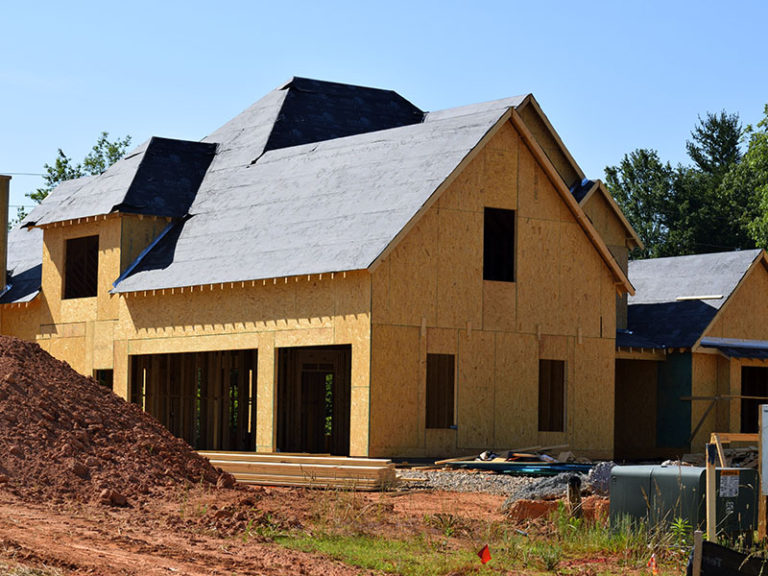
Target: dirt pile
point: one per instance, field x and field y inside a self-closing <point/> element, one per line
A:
<point x="65" y="437"/>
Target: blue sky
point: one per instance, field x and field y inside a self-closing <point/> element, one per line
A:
<point x="611" y="76"/>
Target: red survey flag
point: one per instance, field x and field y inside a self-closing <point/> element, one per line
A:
<point x="484" y="554"/>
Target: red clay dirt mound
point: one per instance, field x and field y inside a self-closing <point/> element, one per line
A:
<point x="65" y="437"/>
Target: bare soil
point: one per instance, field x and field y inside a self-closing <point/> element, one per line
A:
<point x="91" y="485"/>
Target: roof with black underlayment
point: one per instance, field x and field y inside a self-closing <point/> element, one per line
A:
<point x="315" y="177"/>
<point x="676" y="298"/>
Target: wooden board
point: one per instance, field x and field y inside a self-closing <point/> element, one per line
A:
<point x="306" y="470"/>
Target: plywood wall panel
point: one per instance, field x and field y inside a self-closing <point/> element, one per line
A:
<point x="413" y="274"/>
<point x="499" y="306"/>
<point x="460" y="271"/>
<point x="538" y="295"/>
<point x="23" y="321"/>
<point x="475" y="390"/>
<point x="442" y="341"/>
<point x="603" y="217"/>
<point x="703" y="383"/>
<point x="592" y="398"/>
<point x="745" y="315"/>
<point x="545" y="139"/>
<point x="266" y="395"/>
<point x="499" y="188"/>
<point x="395" y="383"/>
<point x="515" y="391"/>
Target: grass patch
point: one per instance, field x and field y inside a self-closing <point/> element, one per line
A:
<point x="417" y="556"/>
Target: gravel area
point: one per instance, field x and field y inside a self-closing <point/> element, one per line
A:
<point x="515" y="487"/>
<point x="462" y="481"/>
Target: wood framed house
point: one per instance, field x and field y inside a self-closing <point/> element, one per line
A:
<point x="335" y="270"/>
<point x="694" y="359"/>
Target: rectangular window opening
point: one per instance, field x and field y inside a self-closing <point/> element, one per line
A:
<point x="81" y="268"/>
<point x="441" y="384"/>
<point x="499" y="245"/>
<point x="551" y="396"/>
<point x="104" y="378"/>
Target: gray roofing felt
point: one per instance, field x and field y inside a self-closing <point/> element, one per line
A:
<point x="676" y="298"/>
<point x="321" y="207"/>
<point x="314" y="177"/>
<point x="159" y="178"/>
<point x="25" y="249"/>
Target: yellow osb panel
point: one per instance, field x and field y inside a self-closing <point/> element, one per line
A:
<point x="21" y="322"/>
<point x="266" y="393"/>
<point x="440" y="442"/>
<point x="413" y="277"/>
<point x="103" y="344"/>
<point x="500" y="306"/>
<point x="475" y="398"/>
<point x="490" y="179"/>
<point x="442" y="341"/>
<point x="593" y="377"/>
<point x="102" y="307"/>
<point x="538" y="294"/>
<point x="395" y="382"/>
<point x="724" y="387"/>
<point x="516" y="390"/>
<point x="293" y="305"/>
<point x="548" y="144"/>
<point x="460" y="271"/>
<point x="359" y="416"/>
<point x="605" y="220"/>
<point x="704" y="383"/>
<point x="553" y="347"/>
<point x="745" y="314"/>
<point x="136" y="234"/>
<point x="71" y="350"/>
<point x="538" y="197"/>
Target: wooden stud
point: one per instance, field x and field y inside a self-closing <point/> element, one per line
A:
<point x="711" y="484"/>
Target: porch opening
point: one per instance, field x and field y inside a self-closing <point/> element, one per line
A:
<point x="754" y="382"/>
<point x="206" y="398"/>
<point x="313" y="399"/>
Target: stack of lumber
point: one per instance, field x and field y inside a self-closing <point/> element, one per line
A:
<point x="279" y="469"/>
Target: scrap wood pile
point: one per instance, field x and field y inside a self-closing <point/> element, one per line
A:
<point x="63" y="436"/>
<point x="521" y="463"/>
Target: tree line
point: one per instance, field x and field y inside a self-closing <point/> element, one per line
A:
<point x="717" y="202"/>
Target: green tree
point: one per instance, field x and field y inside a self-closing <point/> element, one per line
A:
<point x="690" y="209"/>
<point x="642" y="185"/>
<point x="103" y="154"/>
<point x="714" y="144"/>
<point x="749" y="179"/>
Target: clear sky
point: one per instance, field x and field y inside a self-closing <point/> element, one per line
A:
<point x="611" y="76"/>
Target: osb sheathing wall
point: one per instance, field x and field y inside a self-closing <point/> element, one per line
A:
<point x="711" y="377"/>
<point x="744" y="316"/>
<point x="613" y="233"/>
<point x="79" y="330"/>
<point x="265" y="315"/>
<point x="429" y="297"/>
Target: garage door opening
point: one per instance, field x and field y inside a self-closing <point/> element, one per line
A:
<point x="206" y="398"/>
<point x="313" y="399"/>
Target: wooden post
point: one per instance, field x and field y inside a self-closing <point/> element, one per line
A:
<point x="697" y="545"/>
<point x="711" y="454"/>
<point x="574" y="496"/>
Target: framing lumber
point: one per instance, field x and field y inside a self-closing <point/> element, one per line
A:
<point x="312" y="471"/>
